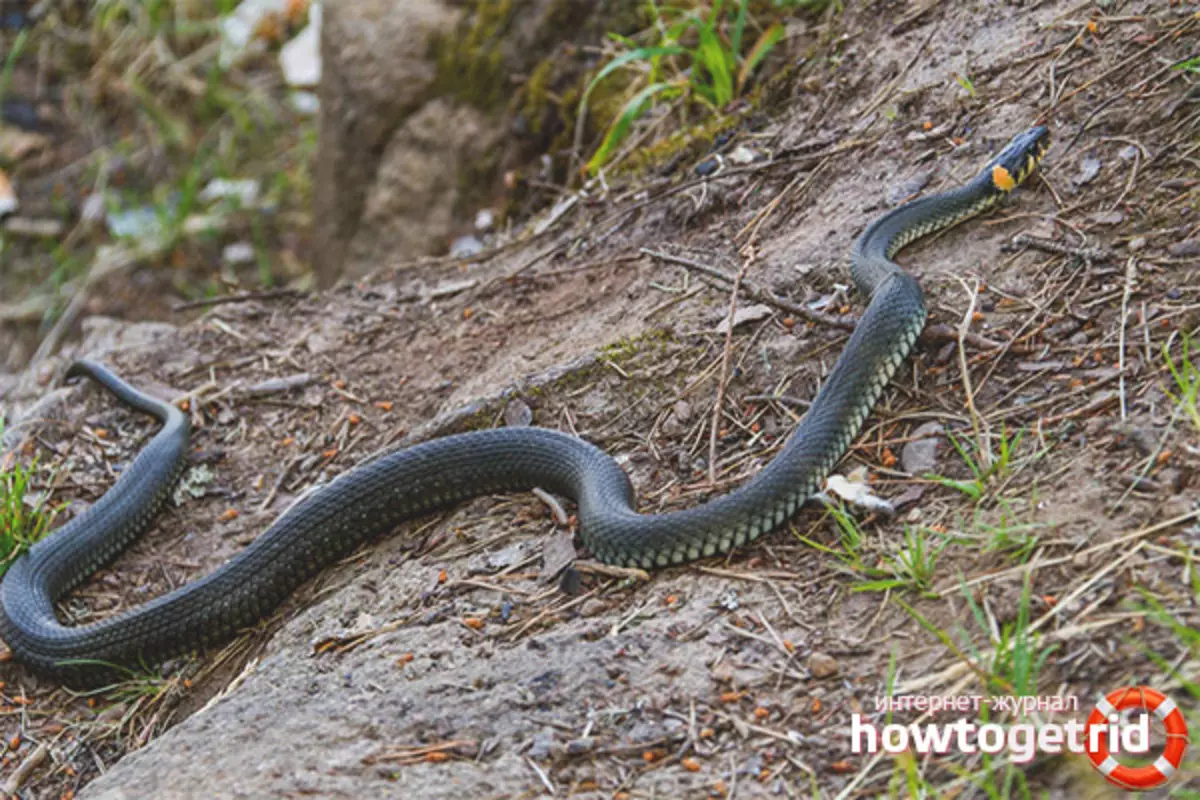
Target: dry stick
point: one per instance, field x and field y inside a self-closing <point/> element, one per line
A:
<point x="1065" y="602"/>
<point x="883" y="95"/>
<point x="1060" y="248"/>
<point x="1141" y="533"/>
<point x="966" y="372"/>
<point x="22" y="772"/>
<point x="1130" y="272"/>
<point x="241" y="297"/>
<point x="1165" y="37"/>
<point x="754" y="224"/>
<point x="937" y="334"/>
<point x="732" y="172"/>
<point x="725" y="358"/>
<point x="100" y="267"/>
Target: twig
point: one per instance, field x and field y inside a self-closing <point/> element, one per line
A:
<point x="726" y="356"/>
<point x="31" y="762"/>
<point x="966" y="370"/>
<point x="1035" y="564"/>
<point x="1089" y="254"/>
<point x="787" y="400"/>
<point x="752" y="227"/>
<point x="609" y="571"/>
<point x="933" y="334"/>
<point x="753" y="290"/>
<point x="560" y="514"/>
<point x="241" y="297"/>
<point x="1130" y="273"/>
<point x="541" y="774"/>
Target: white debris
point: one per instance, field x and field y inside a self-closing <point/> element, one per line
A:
<point x="465" y="247"/>
<point x="92" y="207"/>
<point x="855" y="491"/>
<point x="237" y="30"/>
<point x="143" y="223"/>
<point x="245" y="191"/>
<point x="484" y="220"/>
<point x="300" y="59"/>
<point x="193" y="484"/>
<point x="238" y="253"/>
<point x="306" y="103"/>
<point x="744" y="315"/>
<point x="742" y="155"/>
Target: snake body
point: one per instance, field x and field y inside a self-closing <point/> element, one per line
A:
<point x="375" y="497"/>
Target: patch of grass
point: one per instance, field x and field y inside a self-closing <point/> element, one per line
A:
<point x="983" y="467"/>
<point x="1179" y="667"/>
<point x="1017" y="539"/>
<point x="1187" y="635"/>
<point x="24" y="517"/>
<point x="1187" y="379"/>
<point x="913" y="565"/>
<point x="144" y="696"/>
<point x="1011" y="667"/>
<point x="1018" y="655"/>
<point x="10" y="62"/>
<point x="1190" y="65"/>
<point x="852" y="540"/>
<point x="698" y="57"/>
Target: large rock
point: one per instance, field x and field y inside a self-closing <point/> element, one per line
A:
<point x="425" y="104"/>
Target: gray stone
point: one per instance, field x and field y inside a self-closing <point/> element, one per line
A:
<point x="919" y="456"/>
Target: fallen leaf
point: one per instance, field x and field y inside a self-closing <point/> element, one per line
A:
<point x="743" y="315"/>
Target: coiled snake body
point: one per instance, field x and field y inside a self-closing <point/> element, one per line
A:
<point x="374" y="498"/>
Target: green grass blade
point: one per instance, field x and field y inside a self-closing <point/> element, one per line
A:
<point x="634" y="108"/>
<point x="761" y="50"/>
<point x="714" y="58"/>
<point x="739" y="27"/>
<point x="640" y="54"/>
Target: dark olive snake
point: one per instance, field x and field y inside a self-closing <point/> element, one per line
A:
<point x="375" y="497"/>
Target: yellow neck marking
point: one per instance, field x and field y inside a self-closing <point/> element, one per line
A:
<point x="1003" y="179"/>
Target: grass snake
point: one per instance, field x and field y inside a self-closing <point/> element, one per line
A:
<point x="375" y="497"/>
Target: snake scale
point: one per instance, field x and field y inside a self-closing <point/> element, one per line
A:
<point x="375" y="497"/>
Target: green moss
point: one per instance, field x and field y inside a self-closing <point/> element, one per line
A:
<point x="535" y="96"/>
<point x="690" y="143"/>
<point x="623" y="350"/>
<point x="470" y="60"/>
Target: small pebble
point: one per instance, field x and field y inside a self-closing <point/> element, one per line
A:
<point x="1188" y="247"/>
<point x="517" y="414"/>
<point x="1089" y="168"/>
<point x="823" y="665"/>
<point x="593" y="608"/>
<point x="465" y="247"/>
<point x="919" y="456"/>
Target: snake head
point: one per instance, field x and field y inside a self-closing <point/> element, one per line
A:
<point x="1019" y="158"/>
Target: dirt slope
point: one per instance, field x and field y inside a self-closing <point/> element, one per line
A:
<point x="443" y="663"/>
